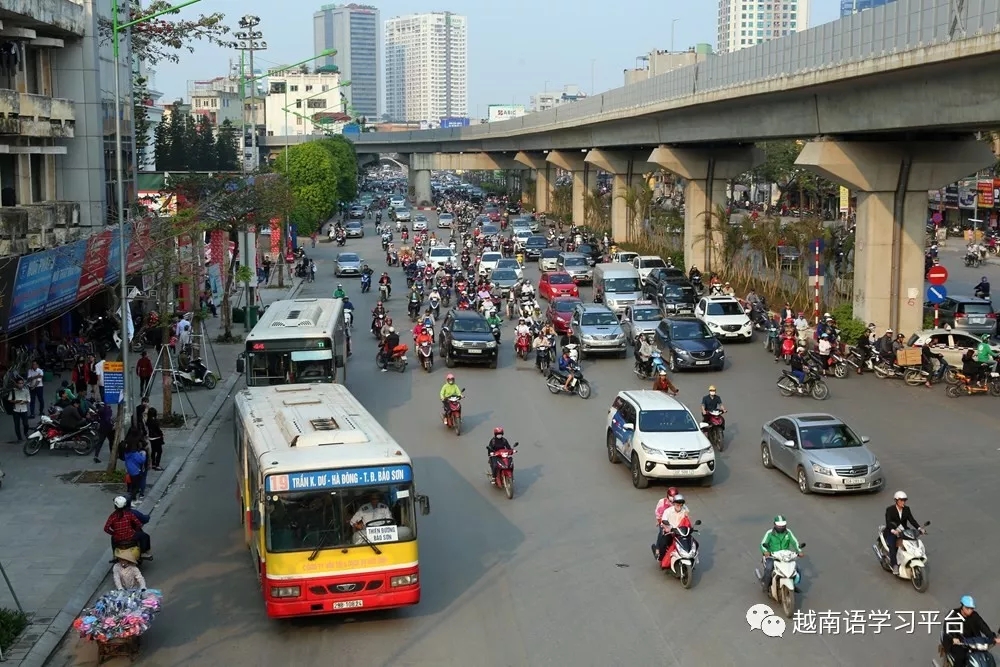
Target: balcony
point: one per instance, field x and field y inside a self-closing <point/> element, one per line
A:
<point x="28" y="115"/>
<point x="38" y="226"/>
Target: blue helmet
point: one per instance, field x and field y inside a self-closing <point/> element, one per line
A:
<point x="968" y="602"/>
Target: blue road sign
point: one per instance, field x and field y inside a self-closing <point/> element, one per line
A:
<point x="936" y="294"/>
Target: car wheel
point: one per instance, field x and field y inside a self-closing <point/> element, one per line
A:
<point x="639" y="480"/>
<point x="449" y="361"/>
<point x="493" y="364"/>
<point x="765" y="456"/>
<point x="622" y="354"/>
<point x="802" y="480"/>
<point x="612" y="448"/>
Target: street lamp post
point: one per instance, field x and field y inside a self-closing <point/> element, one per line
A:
<point x="250" y="40"/>
<point x="116" y="29"/>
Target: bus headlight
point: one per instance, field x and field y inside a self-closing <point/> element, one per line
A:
<point x="404" y="580"/>
<point x="285" y="591"/>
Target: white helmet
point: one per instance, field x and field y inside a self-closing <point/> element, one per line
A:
<point x="121" y="502"/>
<point x="899" y="495"/>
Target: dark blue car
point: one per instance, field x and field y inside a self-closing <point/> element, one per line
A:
<point x="686" y="343"/>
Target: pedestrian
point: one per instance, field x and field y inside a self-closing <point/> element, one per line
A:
<point x="155" y="437"/>
<point x="92" y="378"/>
<point x="36" y="377"/>
<point x="144" y="369"/>
<point x="99" y="372"/>
<point x="79" y="376"/>
<point x="135" y="464"/>
<point x="105" y="431"/>
<point x="20" y="398"/>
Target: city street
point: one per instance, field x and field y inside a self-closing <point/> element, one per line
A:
<point x="562" y="574"/>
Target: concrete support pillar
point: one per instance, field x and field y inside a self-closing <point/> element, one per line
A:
<point x="543" y="178"/>
<point x="573" y="163"/>
<point x="626" y="169"/>
<point x="706" y="172"/>
<point x="510" y="183"/>
<point x="891" y="180"/>
<point x="419" y="185"/>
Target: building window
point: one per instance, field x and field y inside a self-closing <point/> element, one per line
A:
<point x="316" y="103"/>
<point x="293" y="88"/>
<point x="37" y="177"/>
<point x="308" y="88"/>
<point x="8" y="180"/>
<point x="324" y="88"/>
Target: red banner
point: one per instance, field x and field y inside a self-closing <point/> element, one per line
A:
<point x="986" y="196"/>
<point x="216" y="247"/>
<point x="276" y="237"/>
<point x="94" y="265"/>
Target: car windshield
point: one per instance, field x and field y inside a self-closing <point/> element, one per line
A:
<point x="420" y="218"/>
<point x="725" y="308"/>
<point x="354" y="224"/>
<point x="653" y="263"/>
<point x="575" y="261"/>
<point x="977" y="308"/>
<point x="548" y="253"/>
<point x="445" y="216"/>
<point x="560" y="279"/>
<point x="539" y="242"/>
<point x="565" y="306"/>
<point x="623" y="285"/>
<point x="492" y="257"/>
<point x="348" y="257"/>
<point x="310" y="520"/>
<point x="646" y="314"/>
<point x="689" y="331"/>
<point x="503" y="274"/>
<point x="666" y="421"/>
<point x="829" y="436"/>
<point x="508" y="264"/>
<point x="441" y="252"/>
<point x="598" y="319"/>
<point x="471" y="325"/>
<point x="677" y="292"/>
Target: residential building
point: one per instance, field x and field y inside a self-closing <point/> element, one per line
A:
<point x="848" y="7"/>
<point x="353" y="31"/>
<point x="303" y="102"/>
<point x="146" y="157"/>
<point x="426" y="67"/>
<point x="548" y="100"/>
<point x="655" y="63"/>
<point x="744" y="23"/>
<point x="217" y="99"/>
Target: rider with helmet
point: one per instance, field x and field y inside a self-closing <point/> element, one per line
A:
<point x="964" y="622"/>
<point x="449" y="390"/>
<point x="339" y="293"/>
<point x="669" y="519"/>
<point x="644" y="351"/>
<point x="387" y="281"/>
<point x="497" y="443"/>
<point x="777" y="538"/>
<point x="390" y="344"/>
<point x="984" y="356"/>
<point x="982" y="290"/>
<point x="797" y="364"/>
<point x="124" y="525"/>
<point x="663" y="383"/>
<point x="711" y="402"/>
<point x="897" y="517"/>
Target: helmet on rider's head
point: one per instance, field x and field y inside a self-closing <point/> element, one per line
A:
<point x="498" y="430"/>
<point x="888" y="331"/>
<point x="800" y="350"/>
<point x="985" y="338"/>
<point x="678" y="499"/>
<point x="449" y="378"/>
<point x="780" y="523"/>
<point x="871" y="326"/>
<point x="899" y="495"/>
<point x="711" y="387"/>
<point x="824" y="335"/>
<point x="984" y="279"/>
<point x="392" y="329"/>
<point x="663" y="371"/>
<point x="121" y="502"/>
<point x="340" y="286"/>
<point x="672" y="491"/>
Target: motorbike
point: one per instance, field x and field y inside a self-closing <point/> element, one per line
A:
<point x="699" y="288"/>
<point x="979" y="653"/>
<point x="522" y="345"/>
<point x="773" y="337"/>
<point x="413" y="309"/>
<point x="787" y="349"/>
<point x="910" y="556"/>
<point x="888" y="370"/>
<point x="385" y="244"/>
<point x="366" y="282"/>
<point x="714" y="428"/>
<point x="813" y="385"/>
<point x="453" y="413"/>
<point x="196" y="374"/>
<point x="396" y="361"/>
<point x="861" y="364"/>
<point x="834" y="365"/>
<point x="973" y="260"/>
<point x="682" y="556"/>
<point x="785" y="577"/>
<point x="341" y="240"/>
<point x="425" y="352"/>
<point x="48" y="433"/>
<point x="505" y="471"/>
<point x="650" y="369"/>
<point x="377" y="323"/>
<point x="383" y="292"/>
<point x="556" y="379"/>
<point x="435" y="306"/>
<point x="543" y="359"/>
<point x="967" y="387"/>
<point x="917" y="376"/>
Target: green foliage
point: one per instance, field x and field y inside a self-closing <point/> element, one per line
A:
<point x="12" y="624"/>
<point x="182" y="143"/>
<point x="227" y="152"/>
<point x="779" y="167"/>
<point x="205" y="154"/>
<point x="140" y="115"/>
<point x="314" y="175"/>
<point x="345" y="161"/>
<point x="161" y="38"/>
<point x="850" y="327"/>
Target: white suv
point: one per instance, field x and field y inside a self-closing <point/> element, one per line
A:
<point x="659" y="438"/>
<point x="724" y="317"/>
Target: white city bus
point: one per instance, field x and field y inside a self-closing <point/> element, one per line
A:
<point x="298" y="340"/>
<point x="311" y="462"/>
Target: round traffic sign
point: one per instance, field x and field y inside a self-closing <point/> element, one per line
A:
<point x="937" y="218"/>
<point x="937" y="275"/>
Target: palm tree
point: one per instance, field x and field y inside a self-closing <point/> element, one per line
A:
<point x="630" y="197"/>
<point x="726" y="239"/>
<point x="595" y="213"/>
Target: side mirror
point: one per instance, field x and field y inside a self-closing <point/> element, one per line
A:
<point x="425" y="505"/>
<point x="865" y="439"/>
<point x="241" y="364"/>
<point x="445" y="329"/>
<point x="516" y="444"/>
<point x="255" y="520"/>
<point x="927" y="523"/>
<point x="629" y="427"/>
<point x="697" y="522"/>
<point x="789" y="443"/>
<point x="802" y="545"/>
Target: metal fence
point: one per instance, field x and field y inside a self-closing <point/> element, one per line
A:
<point x="896" y="27"/>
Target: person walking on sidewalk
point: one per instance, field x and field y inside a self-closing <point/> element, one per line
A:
<point x="144" y="369"/>
<point x="20" y="397"/>
<point x="36" y="377"/>
<point x="79" y="376"/>
<point x="155" y="438"/>
<point x="92" y="378"/>
<point x="99" y="372"/>
<point x="105" y="431"/>
<point x="135" y="464"/>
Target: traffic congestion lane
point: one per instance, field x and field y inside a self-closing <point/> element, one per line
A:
<point x="562" y="574"/>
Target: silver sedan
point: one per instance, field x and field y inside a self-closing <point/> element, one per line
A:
<point x="347" y="264"/>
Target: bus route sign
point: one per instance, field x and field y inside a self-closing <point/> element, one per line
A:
<point x="328" y="479"/>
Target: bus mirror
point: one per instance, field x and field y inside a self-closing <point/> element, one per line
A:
<point x="241" y="364"/>
<point x="425" y="505"/>
<point x="255" y="520"/>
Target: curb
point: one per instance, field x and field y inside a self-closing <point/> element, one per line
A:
<point x="163" y="497"/>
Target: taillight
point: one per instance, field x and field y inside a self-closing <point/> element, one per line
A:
<point x="959" y="316"/>
<point x="991" y="316"/>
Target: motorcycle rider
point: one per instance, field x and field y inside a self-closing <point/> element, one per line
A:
<point x="777" y="538"/>
<point x="567" y="366"/>
<point x="985" y="356"/>
<point x="496" y="444"/>
<point x="798" y="365"/>
<point x="71" y="418"/>
<point x="864" y="345"/>
<point x="387" y="281"/>
<point x="927" y="358"/>
<point x="694" y="274"/>
<point x="669" y="519"/>
<point x="982" y="290"/>
<point x="541" y="345"/>
<point x="884" y="347"/>
<point x="753" y="299"/>
<point x="897" y="517"/>
<point x="339" y="292"/>
<point x="522" y="329"/>
<point x="391" y="341"/>
<point x="644" y="353"/>
<point x="494" y="320"/>
<point x="663" y="383"/>
<point x="125" y="527"/>
<point x="712" y="402"/>
<point x="972" y="627"/>
<point x="449" y="390"/>
<point x="664" y="504"/>
<point x="825" y="348"/>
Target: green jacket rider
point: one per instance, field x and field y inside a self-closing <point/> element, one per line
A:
<point x="984" y="353"/>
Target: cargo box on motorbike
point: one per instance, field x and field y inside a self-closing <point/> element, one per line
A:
<point x="908" y="357"/>
<point x="400" y="349"/>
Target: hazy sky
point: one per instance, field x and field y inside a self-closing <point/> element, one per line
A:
<point x="515" y="46"/>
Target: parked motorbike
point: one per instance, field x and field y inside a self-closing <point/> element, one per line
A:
<point x="714" y="428"/>
<point x="196" y="374"/>
<point x="556" y="380"/>
<point x="425" y="352"/>
<point x="396" y="361"/>
<point x="911" y="557"/>
<point x="48" y="433"/>
<point x="834" y="365"/>
<point x="967" y="387"/>
<point x="522" y="346"/>
<point x="784" y="579"/>
<point x="505" y="471"/>
<point x="682" y="556"/>
<point x="453" y="413"/>
<point x="813" y="385"/>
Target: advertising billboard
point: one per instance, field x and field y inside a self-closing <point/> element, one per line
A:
<point x="499" y="112"/>
<point x="454" y="122"/>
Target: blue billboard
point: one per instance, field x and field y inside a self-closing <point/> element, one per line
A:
<point x="31" y="287"/>
<point x="454" y="122"/>
<point x="66" y="273"/>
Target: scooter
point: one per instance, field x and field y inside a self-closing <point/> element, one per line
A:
<point x="682" y="555"/>
<point x="366" y="282"/>
<point x="453" y="413"/>
<point x="813" y="385"/>
<point x="556" y="380"/>
<point x="397" y="361"/>
<point x="910" y="556"/>
<point x="196" y="374"/>
<point x="966" y="386"/>
<point x="652" y="368"/>
<point x="979" y="653"/>
<point x="714" y="429"/>
<point x="425" y="352"/>
<point x="505" y="471"/>
<point x="522" y="345"/>
<point x="784" y="579"/>
<point x="48" y="433"/>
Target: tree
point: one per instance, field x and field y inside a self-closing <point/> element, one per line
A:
<point x="161" y="146"/>
<point x="161" y="38"/>
<point x="314" y="182"/>
<point x="346" y="163"/>
<point x="184" y="144"/>
<point x="226" y="147"/>
<point x="205" y="156"/>
<point x="140" y="115"/>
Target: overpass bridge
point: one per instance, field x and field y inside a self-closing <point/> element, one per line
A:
<point x="888" y="98"/>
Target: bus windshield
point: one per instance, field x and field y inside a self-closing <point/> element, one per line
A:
<point x="340" y="517"/>
<point x="281" y="367"/>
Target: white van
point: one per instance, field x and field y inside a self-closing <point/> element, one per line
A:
<point x="617" y="285"/>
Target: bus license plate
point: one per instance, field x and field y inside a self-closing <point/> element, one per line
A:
<point x="349" y="604"/>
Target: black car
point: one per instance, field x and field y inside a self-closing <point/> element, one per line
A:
<point x="534" y="245"/>
<point x="466" y="337"/>
<point x="673" y="298"/>
<point x="591" y="252"/>
<point x="686" y="343"/>
<point x="513" y="208"/>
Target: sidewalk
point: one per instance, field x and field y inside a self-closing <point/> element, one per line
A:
<point x="53" y="547"/>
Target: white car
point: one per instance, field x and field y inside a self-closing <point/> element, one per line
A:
<point x="510" y="263"/>
<point x="420" y="223"/>
<point x="397" y="201"/>
<point x="488" y="262"/>
<point x="439" y="257"/>
<point x="646" y="264"/>
<point x="445" y="220"/>
<point x="949" y="343"/>
<point x="658" y="438"/>
<point x="402" y="215"/>
<point x="724" y="317"/>
<point x="522" y="235"/>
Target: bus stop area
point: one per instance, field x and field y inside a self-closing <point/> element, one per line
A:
<point x="54" y="551"/>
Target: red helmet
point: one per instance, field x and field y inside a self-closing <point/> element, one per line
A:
<point x="672" y="491"/>
<point x="498" y="430"/>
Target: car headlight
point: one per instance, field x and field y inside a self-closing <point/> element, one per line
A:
<point x="491" y="344"/>
<point x="286" y="591"/>
<point x="650" y="450"/>
<point x="404" y="580"/>
<point x="457" y="343"/>
<point x="876" y="466"/>
<point x="712" y="325"/>
<point x="820" y="470"/>
<point x="681" y="353"/>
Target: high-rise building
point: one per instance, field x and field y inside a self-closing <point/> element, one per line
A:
<point x="426" y="67"/>
<point x="744" y="23"/>
<point x="848" y="7"/>
<point x="353" y="30"/>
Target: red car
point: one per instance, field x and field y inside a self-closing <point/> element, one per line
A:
<point x="553" y="284"/>
<point x="560" y="311"/>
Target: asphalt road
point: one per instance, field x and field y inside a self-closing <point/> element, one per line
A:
<point x="562" y="575"/>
